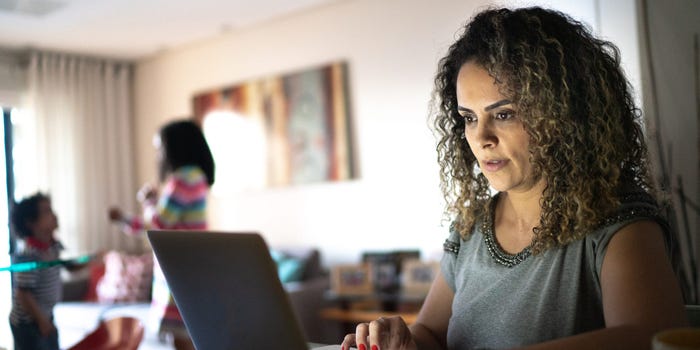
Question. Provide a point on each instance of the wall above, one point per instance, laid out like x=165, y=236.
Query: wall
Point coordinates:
x=13, y=77
x=392, y=48
x=675, y=122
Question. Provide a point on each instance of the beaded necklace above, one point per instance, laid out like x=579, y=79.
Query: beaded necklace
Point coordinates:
x=497, y=253
x=646, y=208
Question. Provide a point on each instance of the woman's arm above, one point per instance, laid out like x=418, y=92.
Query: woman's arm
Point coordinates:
x=430, y=329
x=159, y=213
x=641, y=295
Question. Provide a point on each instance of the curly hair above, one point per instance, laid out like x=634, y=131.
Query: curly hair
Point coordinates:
x=586, y=138
x=25, y=212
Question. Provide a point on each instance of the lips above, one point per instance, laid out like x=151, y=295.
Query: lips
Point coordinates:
x=492, y=165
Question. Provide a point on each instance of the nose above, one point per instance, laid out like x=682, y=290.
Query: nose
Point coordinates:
x=483, y=135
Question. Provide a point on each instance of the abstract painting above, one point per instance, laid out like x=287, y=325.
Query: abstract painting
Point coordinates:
x=280, y=130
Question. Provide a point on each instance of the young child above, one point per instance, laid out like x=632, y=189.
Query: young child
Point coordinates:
x=37, y=291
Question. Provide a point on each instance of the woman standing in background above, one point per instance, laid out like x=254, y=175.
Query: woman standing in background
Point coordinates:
x=186, y=169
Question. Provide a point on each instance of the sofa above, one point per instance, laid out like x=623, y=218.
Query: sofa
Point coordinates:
x=79, y=313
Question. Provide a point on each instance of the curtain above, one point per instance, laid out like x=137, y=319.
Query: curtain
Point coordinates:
x=76, y=144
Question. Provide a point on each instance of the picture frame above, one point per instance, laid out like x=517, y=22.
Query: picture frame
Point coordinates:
x=356, y=279
x=417, y=276
x=386, y=268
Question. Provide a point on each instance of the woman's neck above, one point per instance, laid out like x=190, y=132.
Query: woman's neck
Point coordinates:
x=521, y=210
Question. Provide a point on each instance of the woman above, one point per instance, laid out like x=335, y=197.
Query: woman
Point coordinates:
x=186, y=168
x=571, y=252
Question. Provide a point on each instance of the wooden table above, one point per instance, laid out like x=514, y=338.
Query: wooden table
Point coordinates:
x=350, y=309
x=359, y=316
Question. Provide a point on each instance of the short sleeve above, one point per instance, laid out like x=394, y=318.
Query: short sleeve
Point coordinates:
x=628, y=214
x=449, y=258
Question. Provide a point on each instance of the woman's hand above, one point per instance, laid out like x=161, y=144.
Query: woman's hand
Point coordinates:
x=383, y=333
x=115, y=214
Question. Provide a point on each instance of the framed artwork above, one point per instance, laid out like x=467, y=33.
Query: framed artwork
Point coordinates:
x=386, y=268
x=280, y=130
x=417, y=276
x=352, y=279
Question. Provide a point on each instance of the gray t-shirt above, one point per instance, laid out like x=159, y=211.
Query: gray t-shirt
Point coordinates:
x=551, y=295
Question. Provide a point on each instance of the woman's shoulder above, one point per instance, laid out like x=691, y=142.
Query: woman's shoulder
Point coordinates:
x=636, y=206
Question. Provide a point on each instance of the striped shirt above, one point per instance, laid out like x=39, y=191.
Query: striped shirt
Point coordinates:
x=44, y=284
x=181, y=205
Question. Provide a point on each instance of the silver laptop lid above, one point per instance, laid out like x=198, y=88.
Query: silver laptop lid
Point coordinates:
x=227, y=289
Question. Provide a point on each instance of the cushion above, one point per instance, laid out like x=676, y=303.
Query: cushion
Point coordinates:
x=97, y=271
x=290, y=269
x=127, y=278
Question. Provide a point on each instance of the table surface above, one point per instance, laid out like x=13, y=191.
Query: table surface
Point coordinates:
x=394, y=297
x=359, y=316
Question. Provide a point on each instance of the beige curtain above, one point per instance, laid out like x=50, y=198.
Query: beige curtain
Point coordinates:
x=75, y=142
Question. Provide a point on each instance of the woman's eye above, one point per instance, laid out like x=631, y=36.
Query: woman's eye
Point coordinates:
x=469, y=118
x=505, y=115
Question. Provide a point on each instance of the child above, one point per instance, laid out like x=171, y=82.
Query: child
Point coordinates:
x=36, y=291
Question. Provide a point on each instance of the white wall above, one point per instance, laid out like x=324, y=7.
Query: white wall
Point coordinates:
x=392, y=47
x=13, y=77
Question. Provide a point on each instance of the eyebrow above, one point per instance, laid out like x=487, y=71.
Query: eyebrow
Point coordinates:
x=487, y=108
x=497, y=104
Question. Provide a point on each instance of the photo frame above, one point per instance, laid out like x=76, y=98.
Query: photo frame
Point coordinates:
x=386, y=268
x=352, y=279
x=417, y=276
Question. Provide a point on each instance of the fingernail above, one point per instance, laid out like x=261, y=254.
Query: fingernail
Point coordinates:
x=362, y=347
x=374, y=347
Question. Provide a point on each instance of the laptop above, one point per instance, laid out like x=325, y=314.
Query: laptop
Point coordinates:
x=228, y=290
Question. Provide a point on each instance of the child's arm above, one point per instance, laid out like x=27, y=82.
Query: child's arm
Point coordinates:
x=85, y=261
x=26, y=298
x=72, y=267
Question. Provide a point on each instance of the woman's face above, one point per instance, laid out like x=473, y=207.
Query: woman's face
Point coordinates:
x=494, y=131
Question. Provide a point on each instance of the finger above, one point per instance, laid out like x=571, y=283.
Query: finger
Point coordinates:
x=361, y=334
x=378, y=333
x=348, y=341
x=399, y=335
